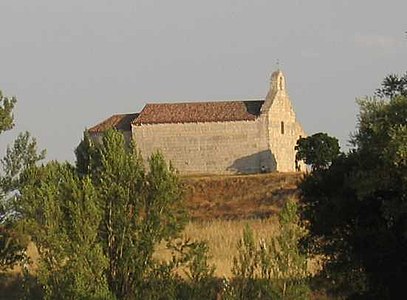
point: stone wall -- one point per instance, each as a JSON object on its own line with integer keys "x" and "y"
{"x": 283, "y": 128}
{"x": 213, "y": 147}
{"x": 283, "y": 135}
{"x": 266, "y": 144}
{"x": 261, "y": 145}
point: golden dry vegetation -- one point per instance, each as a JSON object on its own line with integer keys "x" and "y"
{"x": 238, "y": 197}
{"x": 222, "y": 237}
{"x": 221, "y": 206}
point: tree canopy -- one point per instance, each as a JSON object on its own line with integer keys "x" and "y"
{"x": 6, "y": 112}
{"x": 96, "y": 224}
{"x": 20, "y": 156}
{"x": 317, "y": 150}
{"x": 393, "y": 85}
{"x": 356, "y": 209}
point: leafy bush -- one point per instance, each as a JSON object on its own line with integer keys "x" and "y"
{"x": 271, "y": 269}
{"x": 96, "y": 225}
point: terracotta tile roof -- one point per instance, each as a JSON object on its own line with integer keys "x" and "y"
{"x": 119, "y": 122}
{"x": 199, "y": 112}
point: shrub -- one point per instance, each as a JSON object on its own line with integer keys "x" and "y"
{"x": 274, "y": 268}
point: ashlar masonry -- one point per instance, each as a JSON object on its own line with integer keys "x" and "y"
{"x": 243, "y": 136}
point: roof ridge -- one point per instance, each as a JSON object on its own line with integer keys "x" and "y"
{"x": 124, "y": 114}
{"x": 207, "y": 101}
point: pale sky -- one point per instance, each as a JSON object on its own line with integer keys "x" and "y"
{"x": 73, "y": 63}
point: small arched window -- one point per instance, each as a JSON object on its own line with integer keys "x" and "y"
{"x": 282, "y": 127}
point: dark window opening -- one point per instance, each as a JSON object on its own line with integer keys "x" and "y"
{"x": 282, "y": 127}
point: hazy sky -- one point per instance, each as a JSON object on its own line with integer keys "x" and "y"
{"x": 73, "y": 63}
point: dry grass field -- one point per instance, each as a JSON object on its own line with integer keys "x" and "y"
{"x": 238, "y": 197}
{"x": 221, "y": 206}
{"x": 222, "y": 237}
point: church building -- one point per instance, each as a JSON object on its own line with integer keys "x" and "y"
{"x": 219, "y": 137}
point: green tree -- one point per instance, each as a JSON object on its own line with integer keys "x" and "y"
{"x": 356, "y": 210}
{"x": 281, "y": 259}
{"x": 20, "y": 156}
{"x": 97, "y": 224}
{"x": 62, "y": 214}
{"x": 84, "y": 153}
{"x": 317, "y": 150}
{"x": 393, "y": 85}
{"x": 141, "y": 207}
{"x": 6, "y": 112}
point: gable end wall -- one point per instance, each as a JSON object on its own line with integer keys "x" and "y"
{"x": 282, "y": 143}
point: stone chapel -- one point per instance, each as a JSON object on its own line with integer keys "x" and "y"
{"x": 219, "y": 137}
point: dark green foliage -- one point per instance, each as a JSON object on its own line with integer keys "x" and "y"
{"x": 196, "y": 259}
{"x": 202, "y": 290}
{"x": 84, "y": 154}
{"x": 392, "y": 86}
{"x": 165, "y": 214}
{"x": 141, "y": 208}
{"x": 96, "y": 225}
{"x": 192, "y": 257}
{"x": 161, "y": 283}
{"x": 62, "y": 214}
{"x": 117, "y": 174}
{"x": 6, "y": 112}
{"x": 12, "y": 246}
{"x": 21, "y": 156}
{"x": 356, "y": 210}
{"x": 330, "y": 209}
{"x": 16, "y": 287}
{"x": 317, "y": 150}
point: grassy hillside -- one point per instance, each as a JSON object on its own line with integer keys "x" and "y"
{"x": 220, "y": 207}
{"x": 238, "y": 196}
